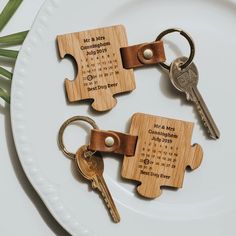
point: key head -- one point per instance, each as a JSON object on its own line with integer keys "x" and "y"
{"x": 184, "y": 79}
{"x": 89, "y": 165}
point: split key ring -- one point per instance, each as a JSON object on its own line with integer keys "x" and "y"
{"x": 62, "y": 130}
{"x": 190, "y": 41}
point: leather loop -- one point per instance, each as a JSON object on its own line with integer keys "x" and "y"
{"x": 123, "y": 143}
{"x": 134, "y": 56}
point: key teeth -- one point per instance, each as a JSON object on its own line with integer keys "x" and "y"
{"x": 107, "y": 202}
{"x": 110, "y": 209}
{"x": 203, "y": 117}
{"x": 188, "y": 97}
{"x": 95, "y": 186}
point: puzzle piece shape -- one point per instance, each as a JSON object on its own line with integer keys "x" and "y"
{"x": 100, "y": 70}
{"x": 162, "y": 154}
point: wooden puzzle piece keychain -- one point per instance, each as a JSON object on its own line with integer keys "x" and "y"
{"x": 184, "y": 77}
{"x": 101, "y": 73}
{"x": 156, "y": 152}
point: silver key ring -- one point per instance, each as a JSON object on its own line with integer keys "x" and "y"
{"x": 190, "y": 41}
{"x": 65, "y": 125}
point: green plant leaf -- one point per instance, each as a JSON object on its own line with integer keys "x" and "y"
{"x": 8, "y": 53}
{"x": 13, "y": 39}
{"x": 8, "y": 12}
{"x": 7, "y": 74}
{"x": 4, "y": 95}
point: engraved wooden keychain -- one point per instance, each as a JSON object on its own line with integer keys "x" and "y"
{"x": 101, "y": 73}
{"x": 156, "y": 151}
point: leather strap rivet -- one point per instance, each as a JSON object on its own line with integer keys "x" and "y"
{"x": 148, "y": 54}
{"x": 109, "y": 141}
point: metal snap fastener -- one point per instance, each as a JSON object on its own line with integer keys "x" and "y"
{"x": 109, "y": 141}
{"x": 148, "y": 54}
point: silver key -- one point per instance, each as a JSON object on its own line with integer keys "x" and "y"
{"x": 91, "y": 167}
{"x": 186, "y": 80}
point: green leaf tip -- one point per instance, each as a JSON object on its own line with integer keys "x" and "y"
{"x": 7, "y": 74}
{"x": 13, "y": 39}
{"x": 4, "y": 95}
{"x": 8, "y": 53}
{"x": 8, "y": 12}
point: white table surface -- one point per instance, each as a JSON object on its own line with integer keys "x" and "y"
{"x": 21, "y": 210}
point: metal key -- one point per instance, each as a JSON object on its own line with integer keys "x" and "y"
{"x": 186, "y": 80}
{"x": 91, "y": 167}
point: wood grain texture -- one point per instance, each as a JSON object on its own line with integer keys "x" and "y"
{"x": 100, "y": 70}
{"x": 162, "y": 154}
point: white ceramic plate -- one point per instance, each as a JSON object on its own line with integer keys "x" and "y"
{"x": 206, "y": 204}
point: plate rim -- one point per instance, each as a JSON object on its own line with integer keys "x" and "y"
{"x": 43, "y": 188}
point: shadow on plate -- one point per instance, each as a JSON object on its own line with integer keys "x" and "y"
{"x": 24, "y": 182}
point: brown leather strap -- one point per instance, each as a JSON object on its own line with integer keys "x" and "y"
{"x": 101, "y": 141}
{"x": 134, "y": 56}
